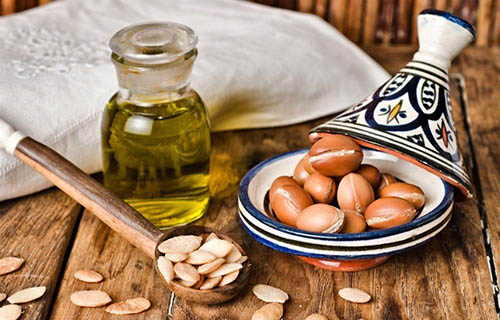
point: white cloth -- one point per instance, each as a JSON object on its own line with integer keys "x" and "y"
{"x": 257, "y": 67}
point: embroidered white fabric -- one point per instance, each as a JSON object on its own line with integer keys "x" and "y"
{"x": 257, "y": 67}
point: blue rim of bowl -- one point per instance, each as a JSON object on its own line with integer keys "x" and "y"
{"x": 453, "y": 18}
{"x": 245, "y": 201}
{"x": 357, "y": 256}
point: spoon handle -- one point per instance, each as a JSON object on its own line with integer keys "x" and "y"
{"x": 105, "y": 205}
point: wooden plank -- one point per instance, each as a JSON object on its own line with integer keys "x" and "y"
{"x": 127, "y": 271}
{"x": 288, "y": 4}
{"x": 321, "y": 8}
{"x": 354, "y": 20}
{"x": 480, "y": 68}
{"x": 418, "y": 6}
{"x": 404, "y": 23}
{"x": 305, "y": 5}
{"x": 484, "y": 21}
{"x": 39, "y": 229}
{"x": 8, "y": 6}
{"x": 385, "y": 31}
{"x": 447, "y": 278}
{"x": 338, "y": 13}
{"x": 370, "y": 21}
{"x": 495, "y": 33}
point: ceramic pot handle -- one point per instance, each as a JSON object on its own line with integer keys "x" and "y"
{"x": 105, "y": 205}
{"x": 441, "y": 36}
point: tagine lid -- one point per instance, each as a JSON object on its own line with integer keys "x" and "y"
{"x": 410, "y": 115}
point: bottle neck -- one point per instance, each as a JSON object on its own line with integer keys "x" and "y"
{"x": 149, "y": 84}
{"x": 154, "y": 98}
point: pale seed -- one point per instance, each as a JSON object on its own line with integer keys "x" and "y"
{"x": 166, "y": 268}
{"x": 129, "y": 306}
{"x": 186, "y": 283}
{"x": 229, "y": 278}
{"x": 271, "y": 311}
{"x": 27, "y": 295}
{"x": 269, "y": 294}
{"x": 354, "y": 295}
{"x": 225, "y": 269}
{"x": 198, "y": 284}
{"x": 180, "y": 244}
{"x": 242, "y": 259}
{"x": 90, "y": 298}
{"x": 176, "y": 256}
{"x": 200, "y": 257}
{"x": 211, "y": 266}
{"x": 88, "y": 276}
{"x": 316, "y": 316}
{"x": 219, "y": 248}
{"x": 210, "y": 283}
{"x": 2, "y": 296}
{"x": 186, "y": 272}
{"x": 234, "y": 255}
{"x": 211, "y": 236}
{"x": 10, "y": 264}
{"x": 10, "y": 312}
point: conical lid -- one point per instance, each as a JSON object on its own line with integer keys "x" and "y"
{"x": 410, "y": 115}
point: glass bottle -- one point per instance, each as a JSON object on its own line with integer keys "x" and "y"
{"x": 155, "y": 129}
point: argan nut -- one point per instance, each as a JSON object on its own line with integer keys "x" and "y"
{"x": 353, "y": 222}
{"x": 354, "y": 193}
{"x": 288, "y": 202}
{"x": 371, "y": 174}
{"x": 87, "y": 275}
{"x": 27, "y": 295}
{"x": 271, "y": 311}
{"x": 389, "y": 212}
{"x": 90, "y": 298}
{"x": 335, "y": 155}
{"x": 300, "y": 173}
{"x": 269, "y": 293}
{"x": 186, "y": 272}
{"x": 321, "y": 188}
{"x": 316, "y": 316}
{"x": 279, "y": 182}
{"x": 409, "y": 192}
{"x": 307, "y": 164}
{"x": 10, "y": 264}
{"x": 129, "y": 306}
{"x": 354, "y": 295}
{"x": 12, "y": 312}
{"x": 385, "y": 180}
{"x": 321, "y": 218}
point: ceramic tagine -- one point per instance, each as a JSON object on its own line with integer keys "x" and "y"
{"x": 410, "y": 115}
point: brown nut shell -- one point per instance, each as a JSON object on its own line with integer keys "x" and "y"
{"x": 288, "y": 201}
{"x": 409, "y": 192}
{"x": 371, "y": 174}
{"x": 353, "y": 222}
{"x": 321, "y": 188}
{"x": 389, "y": 212}
{"x": 335, "y": 155}
{"x": 281, "y": 181}
{"x": 300, "y": 173}
{"x": 354, "y": 193}
{"x": 385, "y": 180}
{"x": 321, "y": 218}
{"x": 307, "y": 164}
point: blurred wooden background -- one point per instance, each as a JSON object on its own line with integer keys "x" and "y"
{"x": 367, "y": 22}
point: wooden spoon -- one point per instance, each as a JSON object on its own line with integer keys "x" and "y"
{"x": 113, "y": 211}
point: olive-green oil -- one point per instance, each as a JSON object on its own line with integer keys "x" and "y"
{"x": 156, "y": 156}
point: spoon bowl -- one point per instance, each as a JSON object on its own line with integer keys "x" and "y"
{"x": 211, "y": 296}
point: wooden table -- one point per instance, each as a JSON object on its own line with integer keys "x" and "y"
{"x": 454, "y": 276}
